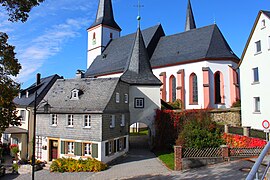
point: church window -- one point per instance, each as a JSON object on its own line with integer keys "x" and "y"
{"x": 255, "y": 75}
{"x": 94, "y": 38}
{"x": 258, "y": 47}
{"x": 111, "y": 35}
{"x": 139, "y": 103}
{"x": 193, "y": 84}
{"x": 219, "y": 87}
{"x": 172, "y": 88}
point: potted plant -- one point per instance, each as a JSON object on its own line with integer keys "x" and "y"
{"x": 14, "y": 149}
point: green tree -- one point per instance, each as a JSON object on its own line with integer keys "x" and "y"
{"x": 17, "y": 10}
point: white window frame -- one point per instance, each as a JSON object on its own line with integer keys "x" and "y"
{"x": 126, "y": 98}
{"x": 110, "y": 146}
{"x": 54, "y": 120}
{"x": 117, "y": 97}
{"x": 256, "y": 77}
{"x": 112, "y": 121}
{"x": 38, "y": 147}
{"x": 257, "y": 104}
{"x": 70, "y": 147}
{"x": 258, "y": 44}
{"x": 23, "y": 115}
{"x": 139, "y": 102}
{"x": 70, "y": 120}
{"x": 123, "y": 119}
{"x": 74, "y": 94}
{"x": 87, "y": 121}
{"x": 120, "y": 144}
{"x": 87, "y": 149}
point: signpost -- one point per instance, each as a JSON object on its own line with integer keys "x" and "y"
{"x": 266, "y": 126}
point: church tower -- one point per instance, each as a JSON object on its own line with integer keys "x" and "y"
{"x": 102, "y": 31}
{"x": 190, "y": 22}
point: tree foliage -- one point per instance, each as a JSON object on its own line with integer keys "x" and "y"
{"x": 9, "y": 66}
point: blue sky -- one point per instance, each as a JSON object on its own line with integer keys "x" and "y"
{"x": 54, "y": 39}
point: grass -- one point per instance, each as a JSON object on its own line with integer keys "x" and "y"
{"x": 167, "y": 158}
{"x": 141, "y": 133}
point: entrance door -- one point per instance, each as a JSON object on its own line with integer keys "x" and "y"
{"x": 53, "y": 149}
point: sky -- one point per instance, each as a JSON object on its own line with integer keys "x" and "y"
{"x": 54, "y": 39}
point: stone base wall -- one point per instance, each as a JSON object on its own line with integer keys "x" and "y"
{"x": 230, "y": 116}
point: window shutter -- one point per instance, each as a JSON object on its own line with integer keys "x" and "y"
{"x": 106, "y": 149}
{"x": 78, "y": 148}
{"x": 114, "y": 146}
{"x": 95, "y": 150}
{"x": 118, "y": 148}
{"x": 62, "y": 147}
{"x": 125, "y": 142}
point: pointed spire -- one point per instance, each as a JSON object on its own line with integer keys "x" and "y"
{"x": 105, "y": 15}
{"x": 138, "y": 69}
{"x": 190, "y": 22}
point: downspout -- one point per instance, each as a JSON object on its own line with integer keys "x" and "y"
{"x": 28, "y": 131}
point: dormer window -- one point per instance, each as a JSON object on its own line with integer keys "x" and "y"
{"x": 75, "y": 93}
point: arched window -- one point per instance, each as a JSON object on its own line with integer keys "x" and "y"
{"x": 219, "y": 87}
{"x": 94, "y": 39}
{"x": 172, "y": 88}
{"x": 193, "y": 89}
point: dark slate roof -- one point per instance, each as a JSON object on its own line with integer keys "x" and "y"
{"x": 15, "y": 130}
{"x": 197, "y": 44}
{"x": 114, "y": 58}
{"x": 267, "y": 13}
{"x": 138, "y": 69}
{"x": 105, "y": 15}
{"x": 96, "y": 93}
{"x": 42, "y": 89}
{"x": 190, "y": 21}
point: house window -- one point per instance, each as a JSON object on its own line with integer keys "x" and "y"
{"x": 112, "y": 121}
{"x": 255, "y": 74}
{"x": 87, "y": 121}
{"x": 70, "y": 120}
{"x": 193, "y": 85}
{"x": 172, "y": 88}
{"x": 38, "y": 147}
{"x": 139, "y": 103}
{"x": 70, "y": 147}
{"x": 74, "y": 94}
{"x": 117, "y": 98}
{"x": 258, "y": 47}
{"x": 87, "y": 149}
{"x": 126, "y": 98}
{"x": 54, "y": 119}
{"x": 120, "y": 144}
{"x": 123, "y": 120}
{"x": 269, "y": 42}
{"x": 263, "y": 23}
{"x": 110, "y": 147}
{"x": 23, "y": 115}
{"x": 257, "y": 104}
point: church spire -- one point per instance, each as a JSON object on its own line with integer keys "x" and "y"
{"x": 105, "y": 15}
{"x": 190, "y": 22}
{"x": 138, "y": 70}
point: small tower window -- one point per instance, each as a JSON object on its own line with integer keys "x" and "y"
{"x": 111, "y": 35}
{"x": 94, "y": 38}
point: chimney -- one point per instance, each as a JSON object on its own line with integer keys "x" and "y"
{"x": 38, "y": 79}
{"x": 79, "y": 74}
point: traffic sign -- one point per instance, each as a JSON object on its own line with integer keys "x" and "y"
{"x": 265, "y": 124}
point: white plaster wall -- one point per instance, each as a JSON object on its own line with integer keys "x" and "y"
{"x": 146, "y": 115}
{"x": 27, "y": 115}
{"x": 250, "y": 90}
{"x": 102, "y": 39}
{"x": 44, "y": 153}
{"x": 222, "y": 66}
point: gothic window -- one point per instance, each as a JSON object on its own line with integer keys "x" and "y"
{"x": 172, "y": 88}
{"x": 193, "y": 90}
{"x": 219, "y": 87}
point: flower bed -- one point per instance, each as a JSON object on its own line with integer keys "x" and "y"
{"x": 234, "y": 140}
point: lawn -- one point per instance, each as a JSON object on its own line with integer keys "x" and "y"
{"x": 141, "y": 133}
{"x": 167, "y": 158}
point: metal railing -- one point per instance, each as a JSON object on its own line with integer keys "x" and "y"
{"x": 254, "y": 173}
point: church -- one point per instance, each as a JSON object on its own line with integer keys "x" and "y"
{"x": 196, "y": 66}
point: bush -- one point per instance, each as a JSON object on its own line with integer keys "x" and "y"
{"x": 177, "y": 104}
{"x": 200, "y": 132}
{"x": 73, "y": 165}
{"x": 237, "y": 103}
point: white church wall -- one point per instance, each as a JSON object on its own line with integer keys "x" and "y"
{"x": 251, "y": 89}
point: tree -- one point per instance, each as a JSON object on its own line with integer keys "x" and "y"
{"x": 17, "y": 10}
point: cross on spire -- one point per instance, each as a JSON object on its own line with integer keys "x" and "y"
{"x": 139, "y": 6}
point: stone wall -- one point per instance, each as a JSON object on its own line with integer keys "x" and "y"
{"x": 230, "y": 116}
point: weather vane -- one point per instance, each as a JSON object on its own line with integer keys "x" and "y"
{"x": 139, "y": 6}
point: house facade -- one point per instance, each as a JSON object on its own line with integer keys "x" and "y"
{"x": 86, "y": 118}
{"x": 23, "y": 135}
{"x": 255, "y": 73}
{"x": 196, "y": 66}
